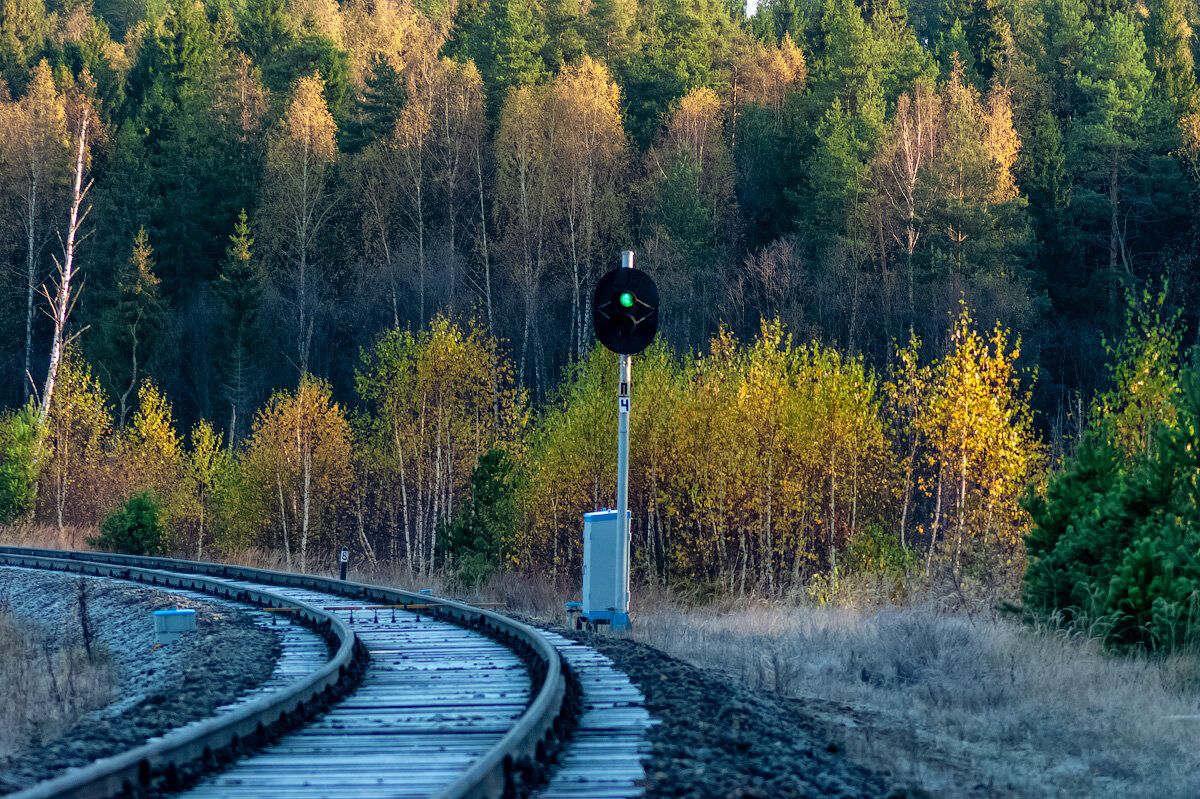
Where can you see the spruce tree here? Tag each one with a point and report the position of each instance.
(130, 328)
(511, 50)
(240, 288)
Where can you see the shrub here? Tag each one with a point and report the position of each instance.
(876, 549)
(133, 527)
(1117, 546)
(473, 541)
(19, 438)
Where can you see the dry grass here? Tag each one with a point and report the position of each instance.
(951, 701)
(45, 685)
(48, 536)
(537, 597)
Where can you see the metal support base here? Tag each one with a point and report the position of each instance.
(615, 621)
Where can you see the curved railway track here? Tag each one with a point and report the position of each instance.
(448, 700)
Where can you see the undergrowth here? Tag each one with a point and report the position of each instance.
(47, 681)
(951, 699)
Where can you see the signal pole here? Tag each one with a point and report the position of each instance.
(624, 379)
(625, 318)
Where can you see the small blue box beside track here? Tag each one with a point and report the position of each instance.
(170, 625)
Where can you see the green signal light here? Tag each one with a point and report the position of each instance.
(626, 299)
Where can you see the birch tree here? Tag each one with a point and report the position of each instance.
(299, 201)
(441, 397)
(298, 465)
(203, 467)
(912, 141)
(74, 436)
(525, 140)
(982, 448)
(61, 297)
(37, 154)
(410, 146)
(458, 126)
(588, 163)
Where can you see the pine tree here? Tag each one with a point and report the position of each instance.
(1110, 135)
(23, 33)
(1066, 35)
(1045, 182)
(564, 41)
(265, 30)
(953, 48)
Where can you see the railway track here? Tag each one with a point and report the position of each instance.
(442, 699)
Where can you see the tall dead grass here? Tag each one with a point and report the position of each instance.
(47, 536)
(533, 596)
(952, 701)
(46, 685)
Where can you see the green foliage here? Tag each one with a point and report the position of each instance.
(313, 52)
(1068, 551)
(683, 46)
(265, 29)
(683, 212)
(1115, 540)
(473, 542)
(1110, 137)
(1169, 54)
(130, 327)
(20, 445)
(1144, 371)
(877, 550)
(379, 107)
(239, 287)
(953, 49)
(132, 528)
(510, 50)
(23, 32)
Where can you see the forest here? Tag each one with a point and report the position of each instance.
(302, 274)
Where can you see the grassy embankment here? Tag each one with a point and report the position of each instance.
(942, 692)
(48, 679)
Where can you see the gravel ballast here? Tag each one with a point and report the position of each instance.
(716, 739)
(161, 688)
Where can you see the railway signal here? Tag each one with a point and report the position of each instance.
(625, 308)
(625, 318)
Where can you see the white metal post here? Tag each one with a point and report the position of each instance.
(624, 381)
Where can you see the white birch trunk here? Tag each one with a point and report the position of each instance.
(62, 302)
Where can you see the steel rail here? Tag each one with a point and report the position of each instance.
(119, 774)
(488, 777)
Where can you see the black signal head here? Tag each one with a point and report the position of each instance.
(625, 310)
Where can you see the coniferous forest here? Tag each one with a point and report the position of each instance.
(302, 274)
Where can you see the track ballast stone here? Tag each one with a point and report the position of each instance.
(717, 739)
(163, 688)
